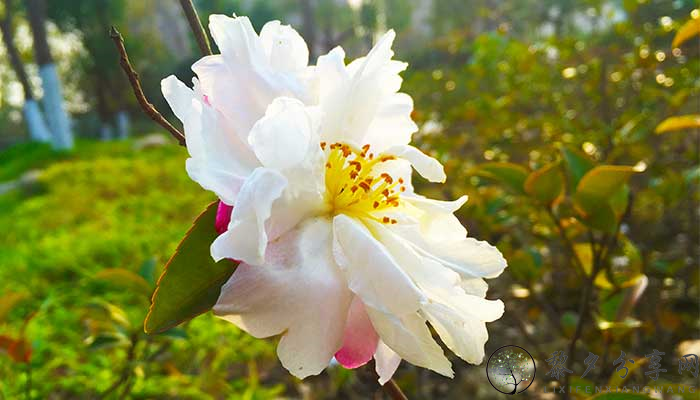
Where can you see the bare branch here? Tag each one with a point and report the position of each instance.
(394, 391)
(196, 25)
(147, 107)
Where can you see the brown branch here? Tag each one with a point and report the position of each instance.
(393, 390)
(196, 25)
(147, 107)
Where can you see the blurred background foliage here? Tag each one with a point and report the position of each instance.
(546, 113)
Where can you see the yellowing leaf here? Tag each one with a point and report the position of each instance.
(678, 123)
(598, 199)
(605, 180)
(687, 31)
(546, 184)
(8, 301)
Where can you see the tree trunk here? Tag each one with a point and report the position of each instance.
(53, 97)
(32, 114)
(123, 124)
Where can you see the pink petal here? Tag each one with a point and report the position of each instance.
(359, 340)
(223, 217)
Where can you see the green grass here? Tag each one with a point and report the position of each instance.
(106, 205)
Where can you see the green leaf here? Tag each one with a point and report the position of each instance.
(191, 281)
(107, 340)
(148, 270)
(512, 175)
(124, 278)
(546, 184)
(109, 311)
(523, 266)
(601, 195)
(9, 301)
(678, 123)
(687, 31)
(595, 214)
(577, 163)
(603, 181)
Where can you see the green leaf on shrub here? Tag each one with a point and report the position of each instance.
(124, 278)
(9, 301)
(107, 340)
(595, 213)
(601, 195)
(546, 184)
(577, 163)
(512, 175)
(191, 281)
(523, 266)
(603, 181)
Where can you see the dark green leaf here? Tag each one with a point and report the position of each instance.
(577, 163)
(107, 340)
(191, 281)
(148, 270)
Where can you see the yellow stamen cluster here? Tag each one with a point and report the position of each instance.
(352, 189)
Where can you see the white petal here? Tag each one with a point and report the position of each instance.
(371, 271)
(236, 39)
(331, 73)
(240, 82)
(285, 48)
(463, 333)
(178, 95)
(299, 292)
(224, 184)
(219, 161)
(428, 167)
(410, 338)
(438, 206)
(246, 238)
(469, 257)
(392, 125)
(458, 317)
(441, 237)
(475, 286)
(360, 101)
(281, 139)
(386, 362)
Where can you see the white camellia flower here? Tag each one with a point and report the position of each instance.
(337, 253)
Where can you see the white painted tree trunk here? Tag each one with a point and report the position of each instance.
(123, 124)
(53, 106)
(106, 133)
(35, 122)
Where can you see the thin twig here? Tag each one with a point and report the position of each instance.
(147, 107)
(393, 390)
(28, 387)
(126, 370)
(565, 239)
(196, 25)
(582, 313)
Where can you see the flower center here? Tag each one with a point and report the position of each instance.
(355, 187)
